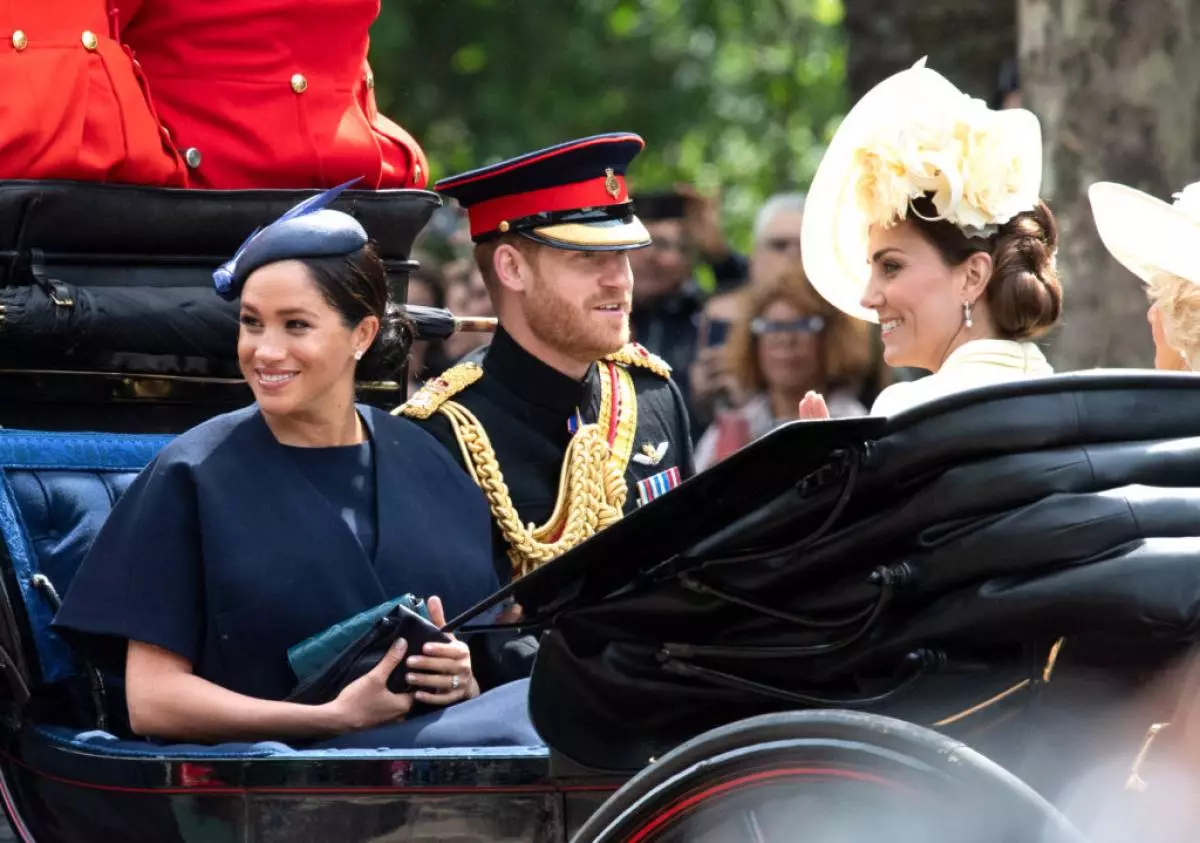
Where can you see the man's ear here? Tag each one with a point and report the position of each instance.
(977, 272)
(511, 268)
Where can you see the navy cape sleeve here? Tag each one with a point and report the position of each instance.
(142, 579)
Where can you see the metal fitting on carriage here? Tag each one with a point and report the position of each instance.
(926, 659)
(896, 576)
(839, 462)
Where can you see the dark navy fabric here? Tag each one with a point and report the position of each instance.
(499, 717)
(346, 478)
(223, 552)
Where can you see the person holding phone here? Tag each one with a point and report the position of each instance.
(714, 388)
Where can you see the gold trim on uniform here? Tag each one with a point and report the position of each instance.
(437, 391)
(591, 484)
(636, 355)
(622, 445)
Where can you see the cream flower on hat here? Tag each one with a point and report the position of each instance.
(913, 135)
(1145, 234)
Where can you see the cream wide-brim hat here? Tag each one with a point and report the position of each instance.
(834, 232)
(1147, 235)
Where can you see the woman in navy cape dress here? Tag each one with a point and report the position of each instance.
(243, 537)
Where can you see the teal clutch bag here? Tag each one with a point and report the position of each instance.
(313, 655)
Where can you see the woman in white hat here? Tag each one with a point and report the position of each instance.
(925, 216)
(1157, 243)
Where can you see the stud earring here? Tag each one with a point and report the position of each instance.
(358, 355)
(967, 314)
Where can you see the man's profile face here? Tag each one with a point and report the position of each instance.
(579, 302)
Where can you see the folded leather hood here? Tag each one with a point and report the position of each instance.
(920, 570)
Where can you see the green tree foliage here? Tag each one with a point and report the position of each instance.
(734, 96)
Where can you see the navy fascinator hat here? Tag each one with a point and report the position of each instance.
(308, 230)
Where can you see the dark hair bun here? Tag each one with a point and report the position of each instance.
(1024, 294)
(391, 346)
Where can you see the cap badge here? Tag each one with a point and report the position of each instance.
(611, 184)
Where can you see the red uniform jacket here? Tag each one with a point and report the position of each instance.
(270, 93)
(71, 103)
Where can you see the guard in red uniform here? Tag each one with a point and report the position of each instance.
(71, 103)
(270, 93)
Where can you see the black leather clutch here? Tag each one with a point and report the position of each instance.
(363, 654)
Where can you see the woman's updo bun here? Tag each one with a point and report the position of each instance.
(1024, 295)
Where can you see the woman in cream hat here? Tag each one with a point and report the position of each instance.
(1157, 243)
(924, 216)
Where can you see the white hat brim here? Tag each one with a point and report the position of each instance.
(1145, 234)
(834, 232)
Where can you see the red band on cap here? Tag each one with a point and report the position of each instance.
(594, 193)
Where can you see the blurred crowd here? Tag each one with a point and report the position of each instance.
(746, 336)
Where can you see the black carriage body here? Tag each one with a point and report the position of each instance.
(755, 587)
(66, 778)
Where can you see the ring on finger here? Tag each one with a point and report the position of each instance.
(454, 682)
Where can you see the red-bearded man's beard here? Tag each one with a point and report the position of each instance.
(580, 332)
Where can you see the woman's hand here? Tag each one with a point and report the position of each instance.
(445, 675)
(367, 702)
(813, 407)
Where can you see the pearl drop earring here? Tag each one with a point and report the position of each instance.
(967, 314)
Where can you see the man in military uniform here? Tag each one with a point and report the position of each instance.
(565, 425)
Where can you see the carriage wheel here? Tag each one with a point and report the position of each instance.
(825, 777)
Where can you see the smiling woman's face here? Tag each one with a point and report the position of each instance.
(295, 351)
(916, 294)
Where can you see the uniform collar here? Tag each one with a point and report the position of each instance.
(527, 376)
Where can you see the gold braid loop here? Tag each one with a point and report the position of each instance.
(592, 491)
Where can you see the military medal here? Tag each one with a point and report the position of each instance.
(658, 484)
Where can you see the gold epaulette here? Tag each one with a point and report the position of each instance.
(635, 355)
(437, 391)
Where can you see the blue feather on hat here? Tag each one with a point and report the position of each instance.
(309, 229)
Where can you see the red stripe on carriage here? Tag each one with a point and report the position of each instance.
(765, 775)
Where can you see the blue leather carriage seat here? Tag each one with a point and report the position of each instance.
(56, 489)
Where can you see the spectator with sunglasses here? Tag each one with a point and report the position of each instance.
(785, 342)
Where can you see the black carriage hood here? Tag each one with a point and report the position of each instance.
(124, 226)
(104, 278)
(911, 566)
